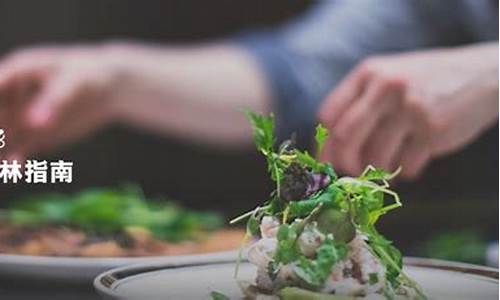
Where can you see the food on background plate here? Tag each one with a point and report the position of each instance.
(105, 222)
(466, 245)
(315, 238)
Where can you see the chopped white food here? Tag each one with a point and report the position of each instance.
(310, 240)
(361, 273)
(261, 252)
(269, 227)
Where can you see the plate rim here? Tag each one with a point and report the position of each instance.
(105, 283)
(79, 271)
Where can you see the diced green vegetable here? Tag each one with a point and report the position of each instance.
(218, 296)
(315, 271)
(373, 278)
(339, 223)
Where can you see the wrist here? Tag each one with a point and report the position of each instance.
(118, 60)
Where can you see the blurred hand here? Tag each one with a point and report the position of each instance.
(49, 96)
(406, 109)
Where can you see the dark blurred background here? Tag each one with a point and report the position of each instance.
(456, 192)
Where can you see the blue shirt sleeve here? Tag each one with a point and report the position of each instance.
(305, 59)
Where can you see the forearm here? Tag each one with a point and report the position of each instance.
(487, 83)
(481, 61)
(195, 93)
(468, 102)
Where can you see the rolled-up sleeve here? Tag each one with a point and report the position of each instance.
(304, 59)
(293, 99)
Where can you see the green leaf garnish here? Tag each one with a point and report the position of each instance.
(342, 208)
(315, 271)
(263, 131)
(218, 296)
(320, 137)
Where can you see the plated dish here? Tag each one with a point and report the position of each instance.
(315, 237)
(440, 279)
(57, 238)
(104, 222)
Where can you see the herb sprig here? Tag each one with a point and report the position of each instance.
(309, 190)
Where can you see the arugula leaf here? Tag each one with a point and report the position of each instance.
(320, 137)
(287, 250)
(306, 159)
(263, 135)
(327, 198)
(372, 173)
(328, 169)
(389, 255)
(253, 226)
(263, 131)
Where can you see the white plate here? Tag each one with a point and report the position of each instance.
(439, 279)
(82, 270)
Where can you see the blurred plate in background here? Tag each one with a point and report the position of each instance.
(82, 270)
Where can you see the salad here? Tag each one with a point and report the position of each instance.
(315, 238)
(109, 222)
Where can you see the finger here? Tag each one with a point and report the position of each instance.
(343, 95)
(14, 104)
(70, 127)
(12, 113)
(22, 90)
(414, 157)
(10, 107)
(417, 151)
(329, 154)
(50, 101)
(11, 152)
(326, 154)
(15, 157)
(13, 138)
(15, 91)
(4, 105)
(384, 145)
(23, 67)
(356, 125)
(381, 98)
(22, 150)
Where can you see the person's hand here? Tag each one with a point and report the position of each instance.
(50, 96)
(405, 109)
